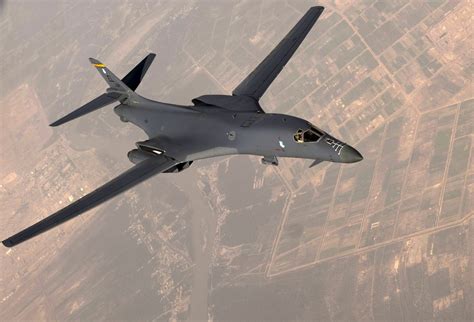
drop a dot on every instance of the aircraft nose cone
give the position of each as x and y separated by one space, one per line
350 155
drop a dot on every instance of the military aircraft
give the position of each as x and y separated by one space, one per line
215 125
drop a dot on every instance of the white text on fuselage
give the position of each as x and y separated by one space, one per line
336 145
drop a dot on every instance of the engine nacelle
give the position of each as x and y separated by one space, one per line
179 167
149 146
136 156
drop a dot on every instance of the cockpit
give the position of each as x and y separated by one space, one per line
313 134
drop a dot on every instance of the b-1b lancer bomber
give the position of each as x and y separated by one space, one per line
215 125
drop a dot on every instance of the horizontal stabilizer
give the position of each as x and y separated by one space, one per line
95 104
123 182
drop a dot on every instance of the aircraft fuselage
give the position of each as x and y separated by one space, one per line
216 131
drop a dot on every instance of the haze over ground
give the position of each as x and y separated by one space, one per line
390 237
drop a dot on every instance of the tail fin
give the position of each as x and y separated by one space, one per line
119 90
135 76
115 83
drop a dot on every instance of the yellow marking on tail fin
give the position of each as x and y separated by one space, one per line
99 65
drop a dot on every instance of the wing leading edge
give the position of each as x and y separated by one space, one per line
257 82
123 182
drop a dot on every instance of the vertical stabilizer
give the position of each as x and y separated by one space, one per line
135 76
116 85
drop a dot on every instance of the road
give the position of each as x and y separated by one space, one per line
204 223
373 247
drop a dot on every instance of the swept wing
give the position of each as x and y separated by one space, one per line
138 173
257 82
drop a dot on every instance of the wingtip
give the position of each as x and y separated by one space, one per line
150 57
57 122
7 243
317 8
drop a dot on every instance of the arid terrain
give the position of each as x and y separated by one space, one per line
388 238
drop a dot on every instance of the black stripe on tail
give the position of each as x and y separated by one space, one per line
135 76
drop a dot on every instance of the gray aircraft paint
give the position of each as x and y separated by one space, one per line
207 133
215 125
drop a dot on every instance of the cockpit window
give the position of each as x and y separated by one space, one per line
317 131
299 136
312 134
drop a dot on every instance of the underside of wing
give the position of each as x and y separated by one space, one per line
263 75
123 182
